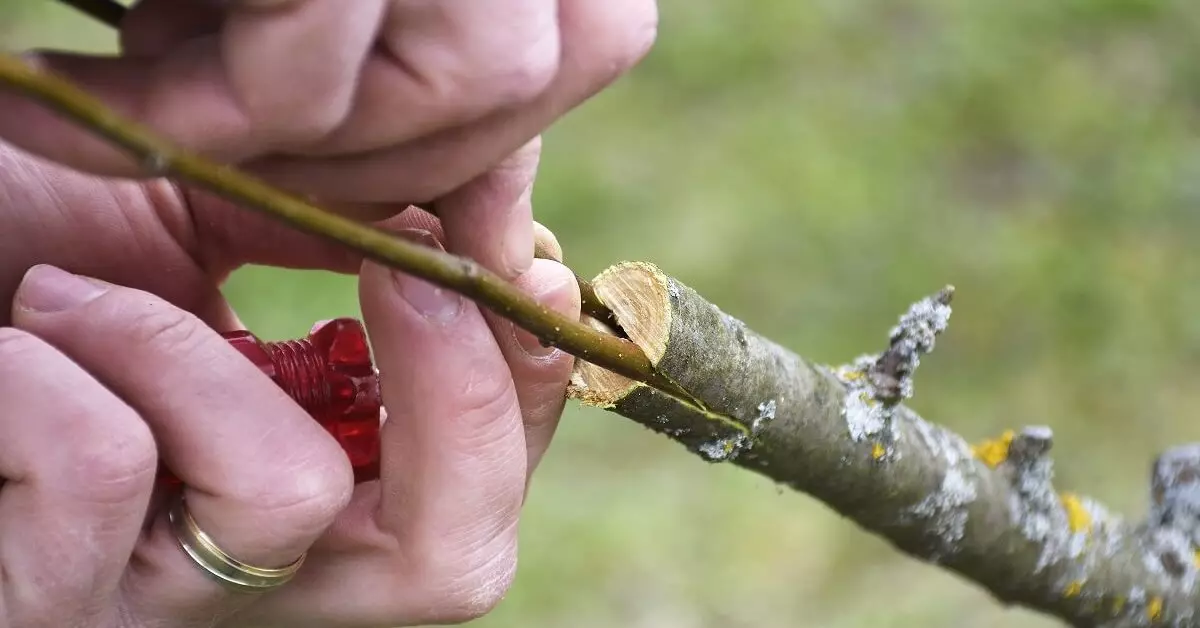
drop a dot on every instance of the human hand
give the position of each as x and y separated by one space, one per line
370 105
101 379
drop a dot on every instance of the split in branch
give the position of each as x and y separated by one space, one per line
989 512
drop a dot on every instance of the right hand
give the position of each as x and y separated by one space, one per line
366 105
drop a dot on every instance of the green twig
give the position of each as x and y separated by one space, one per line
111 13
459 274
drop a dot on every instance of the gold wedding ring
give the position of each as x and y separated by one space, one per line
226 569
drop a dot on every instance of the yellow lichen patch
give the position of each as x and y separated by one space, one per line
1154 608
878 451
1078 518
1196 559
1073 589
995 451
1118 604
853 376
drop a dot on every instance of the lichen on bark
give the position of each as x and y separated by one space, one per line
989 512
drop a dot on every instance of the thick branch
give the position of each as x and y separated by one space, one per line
989 513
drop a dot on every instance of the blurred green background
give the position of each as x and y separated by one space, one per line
813 167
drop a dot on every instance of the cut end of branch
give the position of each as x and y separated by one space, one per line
638 295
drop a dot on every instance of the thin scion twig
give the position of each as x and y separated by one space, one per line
161 158
111 13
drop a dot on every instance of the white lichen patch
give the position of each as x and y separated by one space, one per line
940 443
1140 608
918 329
730 447
723 449
766 414
1171 554
1038 513
946 508
865 416
1176 486
1065 526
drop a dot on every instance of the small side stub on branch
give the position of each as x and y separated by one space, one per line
989 512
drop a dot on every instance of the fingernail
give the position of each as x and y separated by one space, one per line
430 301
553 295
48 289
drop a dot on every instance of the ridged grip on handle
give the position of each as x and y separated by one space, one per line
331 375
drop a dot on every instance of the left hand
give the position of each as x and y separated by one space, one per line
471 403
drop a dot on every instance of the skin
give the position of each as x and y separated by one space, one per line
397 102
116 357
110 358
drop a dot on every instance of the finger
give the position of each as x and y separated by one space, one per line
490 219
151 28
540 373
270 79
262 478
111 229
444 64
453 468
228 237
78 468
600 42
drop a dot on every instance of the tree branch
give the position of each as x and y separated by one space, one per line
842 435
989 512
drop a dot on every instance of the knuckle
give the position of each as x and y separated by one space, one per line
298 112
300 119
112 452
165 328
119 463
631 40
495 75
311 497
521 78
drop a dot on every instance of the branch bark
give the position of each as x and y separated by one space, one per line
989 512
693 373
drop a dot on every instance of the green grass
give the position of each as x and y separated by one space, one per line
812 167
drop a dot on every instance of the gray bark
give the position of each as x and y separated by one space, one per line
989 513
